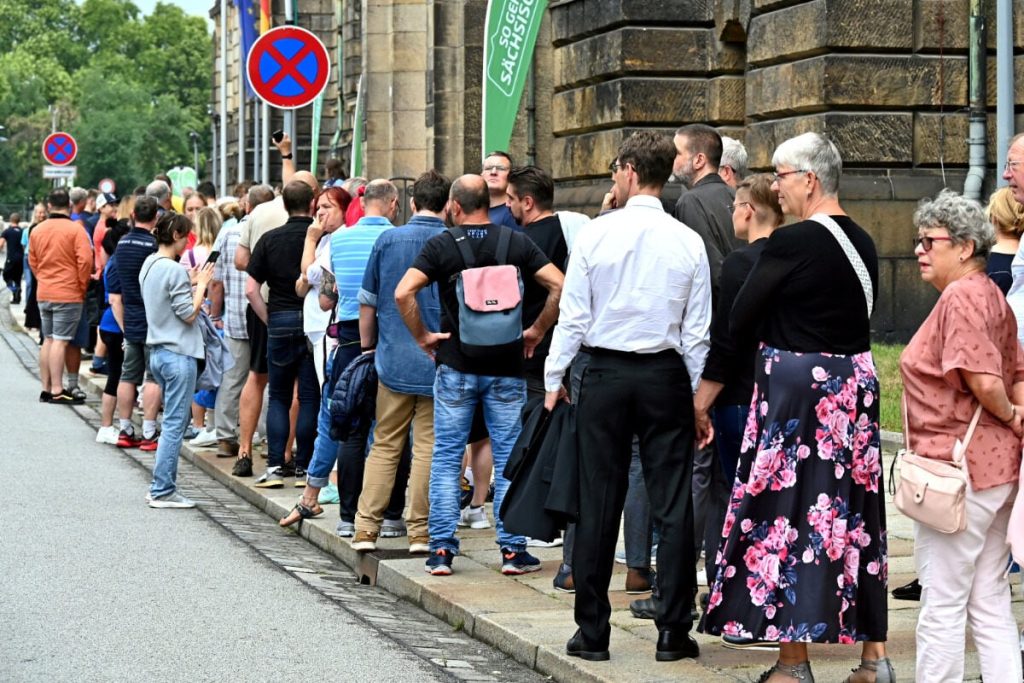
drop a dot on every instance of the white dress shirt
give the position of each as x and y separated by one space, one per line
638 280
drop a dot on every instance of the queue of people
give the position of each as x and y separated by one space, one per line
720 363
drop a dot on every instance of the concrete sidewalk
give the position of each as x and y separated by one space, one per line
530 621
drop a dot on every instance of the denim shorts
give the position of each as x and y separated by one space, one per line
59 320
136 363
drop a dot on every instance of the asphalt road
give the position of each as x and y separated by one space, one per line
97 586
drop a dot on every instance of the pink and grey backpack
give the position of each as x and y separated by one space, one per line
490 299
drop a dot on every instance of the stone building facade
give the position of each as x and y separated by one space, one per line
885 79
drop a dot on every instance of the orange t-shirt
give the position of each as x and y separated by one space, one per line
60 255
971 328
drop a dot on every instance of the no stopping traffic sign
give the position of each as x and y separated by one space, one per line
59 149
288 67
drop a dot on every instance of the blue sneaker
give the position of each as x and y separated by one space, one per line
329 495
514 563
439 563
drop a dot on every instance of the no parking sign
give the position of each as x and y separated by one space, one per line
288 67
59 149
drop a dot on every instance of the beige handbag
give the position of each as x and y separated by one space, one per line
933 492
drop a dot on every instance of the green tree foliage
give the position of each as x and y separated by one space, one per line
129 87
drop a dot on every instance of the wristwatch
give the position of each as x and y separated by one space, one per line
286 156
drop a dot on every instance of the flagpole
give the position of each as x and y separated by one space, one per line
266 20
241 120
289 114
256 142
223 150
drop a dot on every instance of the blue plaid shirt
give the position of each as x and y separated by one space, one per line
233 279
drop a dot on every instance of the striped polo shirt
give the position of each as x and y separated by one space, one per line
350 251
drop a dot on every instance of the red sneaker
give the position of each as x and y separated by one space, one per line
128 439
150 443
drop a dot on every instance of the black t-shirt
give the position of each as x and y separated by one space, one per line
731 359
804 296
12 235
277 261
998 269
440 261
546 234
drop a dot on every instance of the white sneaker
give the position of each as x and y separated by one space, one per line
537 543
702 577
173 500
207 437
474 518
107 435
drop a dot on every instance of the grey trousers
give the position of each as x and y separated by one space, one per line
226 410
710 498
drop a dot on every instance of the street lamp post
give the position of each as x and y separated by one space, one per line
195 151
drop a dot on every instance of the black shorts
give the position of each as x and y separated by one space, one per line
479 429
257 330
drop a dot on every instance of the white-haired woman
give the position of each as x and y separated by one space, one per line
803 556
965 354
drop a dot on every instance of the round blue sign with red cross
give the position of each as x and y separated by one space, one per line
288 67
59 149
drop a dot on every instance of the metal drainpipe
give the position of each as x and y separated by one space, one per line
531 114
1004 83
976 118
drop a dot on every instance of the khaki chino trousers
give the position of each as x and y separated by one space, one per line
396 413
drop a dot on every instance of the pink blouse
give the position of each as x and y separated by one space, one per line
971 328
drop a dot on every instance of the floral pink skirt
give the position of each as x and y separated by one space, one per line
803 553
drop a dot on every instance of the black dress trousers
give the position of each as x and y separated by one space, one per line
649 395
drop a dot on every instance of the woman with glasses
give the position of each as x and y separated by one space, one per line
803 556
965 354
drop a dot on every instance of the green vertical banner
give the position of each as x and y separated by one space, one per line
510 35
314 146
356 167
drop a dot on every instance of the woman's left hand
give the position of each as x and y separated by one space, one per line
204 274
1017 422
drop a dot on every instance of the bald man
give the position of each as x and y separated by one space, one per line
496 380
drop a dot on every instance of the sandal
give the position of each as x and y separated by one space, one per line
797 672
301 512
882 668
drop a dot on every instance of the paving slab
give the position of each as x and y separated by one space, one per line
526 618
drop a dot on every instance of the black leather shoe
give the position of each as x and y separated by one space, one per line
675 645
738 643
577 648
643 609
911 591
646 608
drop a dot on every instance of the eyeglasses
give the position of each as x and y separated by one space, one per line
777 177
1010 164
495 167
614 166
732 207
927 242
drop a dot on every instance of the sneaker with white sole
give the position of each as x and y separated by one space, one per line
108 435
171 500
345 529
393 528
364 542
474 518
273 478
419 545
439 563
205 438
538 543
514 563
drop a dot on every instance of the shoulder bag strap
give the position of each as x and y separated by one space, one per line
852 255
462 243
504 239
958 456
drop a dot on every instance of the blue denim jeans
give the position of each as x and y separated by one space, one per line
289 359
456 396
729 422
176 375
325 449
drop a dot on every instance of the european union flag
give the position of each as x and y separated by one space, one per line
249 18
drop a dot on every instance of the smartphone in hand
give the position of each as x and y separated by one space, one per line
212 258
277 136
